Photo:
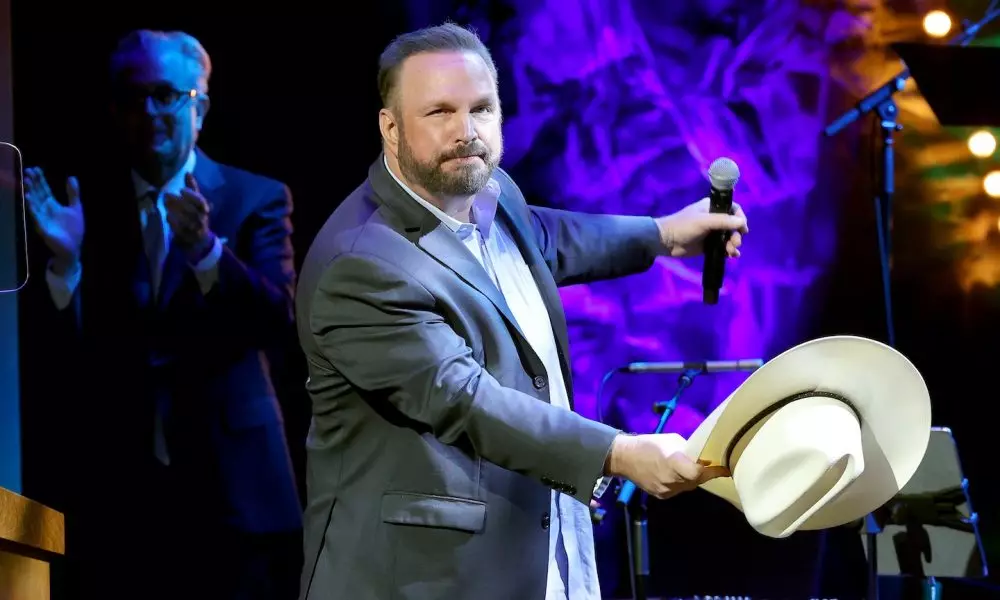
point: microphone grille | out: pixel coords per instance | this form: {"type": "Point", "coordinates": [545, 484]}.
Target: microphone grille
{"type": "Point", "coordinates": [723, 173]}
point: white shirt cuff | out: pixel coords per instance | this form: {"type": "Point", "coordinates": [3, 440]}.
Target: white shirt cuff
{"type": "Point", "coordinates": [211, 259]}
{"type": "Point", "coordinates": [206, 270]}
{"type": "Point", "coordinates": [601, 486]}
{"type": "Point", "coordinates": [62, 287]}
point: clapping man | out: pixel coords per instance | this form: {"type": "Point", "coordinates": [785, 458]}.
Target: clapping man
{"type": "Point", "coordinates": [176, 274]}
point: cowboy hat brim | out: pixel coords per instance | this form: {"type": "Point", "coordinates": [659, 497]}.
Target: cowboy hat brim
{"type": "Point", "coordinates": [885, 390]}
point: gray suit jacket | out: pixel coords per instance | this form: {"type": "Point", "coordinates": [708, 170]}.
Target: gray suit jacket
{"type": "Point", "coordinates": [434, 448]}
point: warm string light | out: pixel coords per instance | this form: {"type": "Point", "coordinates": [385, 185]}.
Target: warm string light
{"type": "Point", "coordinates": [937, 23]}
{"type": "Point", "coordinates": [981, 263]}
{"type": "Point", "coordinates": [982, 144]}
{"type": "Point", "coordinates": [991, 184]}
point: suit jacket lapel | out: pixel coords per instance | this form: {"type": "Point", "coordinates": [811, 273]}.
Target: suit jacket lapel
{"type": "Point", "coordinates": [434, 237]}
{"type": "Point", "coordinates": [175, 266]}
{"type": "Point", "coordinates": [444, 245]}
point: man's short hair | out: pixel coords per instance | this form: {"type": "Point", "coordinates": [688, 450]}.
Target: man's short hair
{"type": "Point", "coordinates": [448, 37]}
{"type": "Point", "coordinates": [144, 41]}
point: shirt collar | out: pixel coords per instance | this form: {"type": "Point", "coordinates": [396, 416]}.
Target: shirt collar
{"type": "Point", "coordinates": [484, 207]}
{"type": "Point", "coordinates": [173, 186]}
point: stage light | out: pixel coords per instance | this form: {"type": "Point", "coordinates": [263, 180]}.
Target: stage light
{"type": "Point", "coordinates": [991, 183]}
{"type": "Point", "coordinates": [937, 23]}
{"type": "Point", "coordinates": [982, 143]}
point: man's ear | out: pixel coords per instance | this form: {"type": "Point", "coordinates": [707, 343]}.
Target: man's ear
{"type": "Point", "coordinates": [389, 128]}
{"type": "Point", "coordinates": [201, 110]}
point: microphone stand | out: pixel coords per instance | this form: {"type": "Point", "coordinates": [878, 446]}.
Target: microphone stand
{"type": "Point", "coordinates": [634, 504]}
{"type": "Point", "coordinates": [882, 103]}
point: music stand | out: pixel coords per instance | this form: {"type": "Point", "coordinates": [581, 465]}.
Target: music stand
{"type": "Point", "coordinates": [929, 529]}
{"type": "Point", "coordinates": [956, 81]}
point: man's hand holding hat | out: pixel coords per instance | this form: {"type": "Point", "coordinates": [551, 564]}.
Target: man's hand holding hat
{"type": "Point", "coordinates": [657, 464]}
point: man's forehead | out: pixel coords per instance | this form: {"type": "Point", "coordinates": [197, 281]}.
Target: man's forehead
{"type": "Point", "coordinates": [446, 73]}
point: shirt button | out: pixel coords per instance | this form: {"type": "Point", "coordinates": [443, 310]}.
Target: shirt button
{"type": "Point", "coordinates": [545, 521]}
{"type": "Point", "coordinates": [538, 382]}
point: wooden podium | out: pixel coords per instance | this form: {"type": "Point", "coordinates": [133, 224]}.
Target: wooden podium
{"type": "Point", "coordinates": [31, 535]}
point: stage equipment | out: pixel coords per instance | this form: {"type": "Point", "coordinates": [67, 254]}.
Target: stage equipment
{"type": "Point", "coordinates": [930, 529]}
{"type": "Point", "coordinates": [634, 505]}
{"type": "Point", "coordinates": [705, 366]}
{"type": "Point", "coordinates": [952, 78]}
{"type": "Point", "coordinates": [950, 83]}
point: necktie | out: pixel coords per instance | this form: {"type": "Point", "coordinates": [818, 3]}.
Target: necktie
{"type": "Point", "coordinates": [153, 238]}
{"type": "Point", "coordinates": [154, 242]}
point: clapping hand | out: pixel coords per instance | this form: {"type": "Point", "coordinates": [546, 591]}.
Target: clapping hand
{"type": "Point", "coordinates": [188, 216]}
{"type": "Point", "coordinates": [60, 224]}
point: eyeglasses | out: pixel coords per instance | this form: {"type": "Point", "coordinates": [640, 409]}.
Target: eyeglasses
{"type": "Point", "coordinates": [164, 98]}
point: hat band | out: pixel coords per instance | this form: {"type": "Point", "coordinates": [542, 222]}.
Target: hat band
{"type": "Point", "coordinates": [772, 409]}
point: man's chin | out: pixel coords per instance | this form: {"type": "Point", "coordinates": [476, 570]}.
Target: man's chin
{"type": "Point", "coordinates": [466, 187]}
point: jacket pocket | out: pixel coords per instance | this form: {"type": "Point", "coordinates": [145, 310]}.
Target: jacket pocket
{"type": "Point", "coordinates": [426, 510]}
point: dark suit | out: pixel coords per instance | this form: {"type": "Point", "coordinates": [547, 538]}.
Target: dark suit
{"type": "Point", "coordinates": [434, 448]}
{"type": "Point", "coordinates": [228, 497]}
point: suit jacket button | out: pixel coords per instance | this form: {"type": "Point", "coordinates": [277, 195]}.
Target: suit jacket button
{"type": "Point", "coordinates": [545, 521]}
{"type": "Point", "coordinates": [538, 382]}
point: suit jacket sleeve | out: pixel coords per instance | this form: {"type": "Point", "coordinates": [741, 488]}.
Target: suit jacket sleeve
{"type": "Point", "coordinates": [580, 248]}
{"type": "Point", "coordinates": [258, 288]}
{"type": "Point", "coordinates": [378, 327]}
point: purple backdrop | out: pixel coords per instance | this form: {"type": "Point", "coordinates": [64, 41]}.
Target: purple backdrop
{"type": "Point", "coordinates": [620, 106]}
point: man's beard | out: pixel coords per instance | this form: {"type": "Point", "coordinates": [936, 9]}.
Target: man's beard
{"type": "Point", "coordinates": [464, 180]}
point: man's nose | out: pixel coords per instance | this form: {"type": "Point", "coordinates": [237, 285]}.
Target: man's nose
{"type": "Point", "coordinates": [467, 129]}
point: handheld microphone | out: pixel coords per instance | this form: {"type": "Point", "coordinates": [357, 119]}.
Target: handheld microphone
{"type": "Point", "coordinates": [723, 175]}
{"type": "Point", "coordinates": [705, 366]}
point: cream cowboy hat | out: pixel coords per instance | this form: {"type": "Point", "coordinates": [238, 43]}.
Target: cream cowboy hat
{"type": "Point", "coordinates": [820, 436]}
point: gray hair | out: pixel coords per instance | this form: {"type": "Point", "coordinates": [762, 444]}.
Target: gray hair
{"type": "Point", "coordinates": [146, 41]}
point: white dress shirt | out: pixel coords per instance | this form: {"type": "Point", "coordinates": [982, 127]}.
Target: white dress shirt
{"type": "Point", "coordinates": [572, 567]}
{"type": "Point", "coordinates": [62, 287]}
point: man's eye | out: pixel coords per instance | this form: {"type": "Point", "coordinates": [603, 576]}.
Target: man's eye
{"type": "Point", "coordinates": [165, 96]}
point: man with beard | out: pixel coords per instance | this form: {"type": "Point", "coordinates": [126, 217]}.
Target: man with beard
{"type": "Point", "coordinates": [180, 288]}
{"type": "Point", "coordinates": [445, 460]}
